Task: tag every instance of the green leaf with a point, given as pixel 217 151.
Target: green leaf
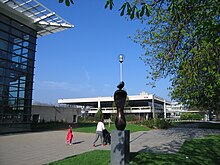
pixel 106 4
pixel 142 11
pixel 132 14
pixel 67 3
pixel 137 13
pixel 147 10
pixel 122 9
pixel 129 9
pixel 61 1
pixel 111 4
pixel 72 1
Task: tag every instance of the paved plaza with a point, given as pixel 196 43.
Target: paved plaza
pixel 44 147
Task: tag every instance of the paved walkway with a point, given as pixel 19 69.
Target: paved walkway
pixel 44 147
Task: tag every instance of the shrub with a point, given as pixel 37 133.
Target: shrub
pixel 98 115
pixel 190 116
pixel 131 118
pixel 158 123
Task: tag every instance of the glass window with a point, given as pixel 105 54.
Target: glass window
pixel 21 94
pixel 26 37
pixel 23 67
pixel 4 19
pixel 32 46
pixel 1 73
pixel 24 51
pixel 22 85
pixel 12 101
pixel 17 52
pixel 25 55
pixel 32 39
pixel 4 35
pixel 25 44
pixel 31 54
pixel 3 44
pixel 23 78
pixel 4 26
pixel 16 32
pixel 17 41
pixel 13 94
pixel 15 59
pixel 13 88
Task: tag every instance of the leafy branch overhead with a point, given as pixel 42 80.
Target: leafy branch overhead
pixel 67 2
pixel 133 10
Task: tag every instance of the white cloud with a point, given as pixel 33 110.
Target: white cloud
pixel 54 85
pixel 87 75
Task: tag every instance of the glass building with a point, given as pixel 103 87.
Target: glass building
pixel 21 22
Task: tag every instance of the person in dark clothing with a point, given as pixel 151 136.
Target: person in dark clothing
pixel 106 137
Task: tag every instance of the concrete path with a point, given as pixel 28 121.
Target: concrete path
pixel 44 147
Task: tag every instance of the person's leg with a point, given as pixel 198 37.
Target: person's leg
pixel 96 138
pixel 101 137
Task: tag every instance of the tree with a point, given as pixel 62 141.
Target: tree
pixel 182 42
pixel 98 116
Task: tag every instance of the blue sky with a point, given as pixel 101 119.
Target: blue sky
pixel 83 61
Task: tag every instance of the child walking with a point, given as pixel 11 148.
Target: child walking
pixel 69 136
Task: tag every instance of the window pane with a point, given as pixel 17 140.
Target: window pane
pixel 4 35
pixel 16 32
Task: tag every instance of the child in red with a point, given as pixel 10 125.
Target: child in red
pixel 69 136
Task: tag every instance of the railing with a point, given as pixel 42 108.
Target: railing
pixel 144 109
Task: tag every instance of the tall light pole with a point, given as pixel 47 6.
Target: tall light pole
pixel 120 149
pixel 121 58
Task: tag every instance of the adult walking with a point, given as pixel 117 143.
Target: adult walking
pixel 99 132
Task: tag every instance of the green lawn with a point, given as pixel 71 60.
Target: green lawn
pixel 91 127
pixel 204 151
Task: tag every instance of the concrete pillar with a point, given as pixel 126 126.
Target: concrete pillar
pixel 99 103
pixel 164 109
pixel 120 147
pixel 147 116
pixel 153 108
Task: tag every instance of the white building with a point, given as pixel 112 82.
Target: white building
pixel 145 105
pixel 176 108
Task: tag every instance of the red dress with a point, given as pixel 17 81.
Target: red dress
pixel 69 136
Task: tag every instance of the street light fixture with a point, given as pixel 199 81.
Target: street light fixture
pixel 121 58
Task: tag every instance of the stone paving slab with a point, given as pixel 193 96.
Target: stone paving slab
pixel 44 147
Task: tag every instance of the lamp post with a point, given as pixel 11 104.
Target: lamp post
pixel 120 146
pixel 121 58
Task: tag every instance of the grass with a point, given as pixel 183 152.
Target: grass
pixel 205 151
pixel 91 127
pixel 96 157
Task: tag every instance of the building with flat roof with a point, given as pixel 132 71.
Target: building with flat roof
pixel 21 23
pixel 144 105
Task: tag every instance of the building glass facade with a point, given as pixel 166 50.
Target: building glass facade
pixel 17 54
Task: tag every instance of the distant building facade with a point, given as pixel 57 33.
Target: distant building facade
pixel 145 105
pixel 44 113
pixel 176 108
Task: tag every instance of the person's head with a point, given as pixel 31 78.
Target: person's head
pixel 70 126
pixel 102 120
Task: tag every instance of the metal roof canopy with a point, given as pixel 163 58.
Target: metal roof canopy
pixel 47 22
